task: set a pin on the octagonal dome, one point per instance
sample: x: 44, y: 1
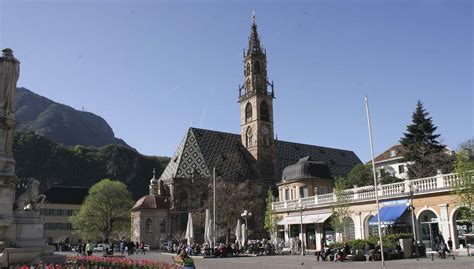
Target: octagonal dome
x: 306, y: 168
x: 151, y: 202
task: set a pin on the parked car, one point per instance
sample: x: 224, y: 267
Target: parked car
x: 100, y: 247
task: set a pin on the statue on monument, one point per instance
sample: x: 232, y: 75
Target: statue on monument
x: 31, y: 199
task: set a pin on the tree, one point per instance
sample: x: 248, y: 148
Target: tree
x: 52, y: 163
x: 468, y: 145
x: 387, y: 176
x: 340, y: 209
x: 421, y: 148
x: 231, y: 199
x: 464, y: 186
x: 105, y: 212
x: 360, y: 175
x: 270, y: 220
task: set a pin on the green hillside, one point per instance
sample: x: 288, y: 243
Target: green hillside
x: 52, y: 163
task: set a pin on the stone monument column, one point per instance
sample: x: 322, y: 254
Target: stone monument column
x: 9, y: 74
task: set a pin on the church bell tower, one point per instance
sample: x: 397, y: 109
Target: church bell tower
x: 256, y: 107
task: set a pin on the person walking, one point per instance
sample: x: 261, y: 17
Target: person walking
x: 4, y: 259
x: 122, y: 247
x: 89, y: 248
x: 450, y: 244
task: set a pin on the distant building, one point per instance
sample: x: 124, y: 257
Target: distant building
x: 150, y: 216
x: 392, y: 161
x: 61, y: 203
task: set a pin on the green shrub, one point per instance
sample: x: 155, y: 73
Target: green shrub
x: 336, y: 245
x: 357, y: 244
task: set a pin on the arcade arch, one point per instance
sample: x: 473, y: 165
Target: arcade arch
x: 429, y: 227
x: 461, y: 225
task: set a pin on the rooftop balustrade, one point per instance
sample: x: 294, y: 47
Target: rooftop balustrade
x: 438, y: 183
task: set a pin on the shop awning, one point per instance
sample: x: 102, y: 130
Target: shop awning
x: 388, y: 215
x: 307, y: 219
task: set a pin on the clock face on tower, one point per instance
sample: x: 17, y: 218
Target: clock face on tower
x: 249, y: 132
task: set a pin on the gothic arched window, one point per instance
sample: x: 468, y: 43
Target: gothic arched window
x: 264, y: 111
x: 162, y: 226
x: 256, y: 67
x: 148, y: 225
x: 248, y: 112
x: 247, y: 69
x: 248, y: 137
x: 183, y: 202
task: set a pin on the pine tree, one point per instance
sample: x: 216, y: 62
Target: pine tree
x: 421, y: 147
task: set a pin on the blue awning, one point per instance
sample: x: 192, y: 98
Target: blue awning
x: 388, y: 215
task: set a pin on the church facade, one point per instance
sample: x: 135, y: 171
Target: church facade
x: 254, y: 155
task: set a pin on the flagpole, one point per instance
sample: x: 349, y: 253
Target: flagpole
x: 214, y: 206
x: 375, y: 180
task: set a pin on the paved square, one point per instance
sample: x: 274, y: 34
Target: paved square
x: 309, y: 262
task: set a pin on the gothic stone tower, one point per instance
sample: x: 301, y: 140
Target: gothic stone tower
x: 256, y: 107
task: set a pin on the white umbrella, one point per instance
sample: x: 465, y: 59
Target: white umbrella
x: 189, y: 229
x: 207, y: 224
x: 244, y: 234
x: 210, y: 233
x: 238, y: 232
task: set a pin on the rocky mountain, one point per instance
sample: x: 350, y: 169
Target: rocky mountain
x: 61, y: 123
x: 54, y: 164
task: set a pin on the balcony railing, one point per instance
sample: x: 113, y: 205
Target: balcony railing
x: 422, y: 186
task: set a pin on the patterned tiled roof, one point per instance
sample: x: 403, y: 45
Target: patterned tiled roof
x: 203, y: 149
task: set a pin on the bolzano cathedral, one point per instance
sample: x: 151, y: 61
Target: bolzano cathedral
x: 254, y: 155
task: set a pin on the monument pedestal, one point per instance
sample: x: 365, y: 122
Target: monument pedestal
x: 21, y: 229
x: 7, y: 197
x: 26, y: 230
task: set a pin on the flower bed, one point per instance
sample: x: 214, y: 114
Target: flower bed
x: 96, y: 262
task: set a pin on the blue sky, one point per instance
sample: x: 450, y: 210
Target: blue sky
x: 152, y: 69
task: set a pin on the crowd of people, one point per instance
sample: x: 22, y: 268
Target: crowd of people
x: 86, y: 248
x: 257, y: 247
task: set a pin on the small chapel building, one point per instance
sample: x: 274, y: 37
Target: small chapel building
x: 151, y: 216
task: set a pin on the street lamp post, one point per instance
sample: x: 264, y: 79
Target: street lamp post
x: 213, y: 207
x: 411, y: 193
x: 246, y: 215
x: 301, y: 208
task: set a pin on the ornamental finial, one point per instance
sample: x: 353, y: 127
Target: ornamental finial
x: 253, y: 16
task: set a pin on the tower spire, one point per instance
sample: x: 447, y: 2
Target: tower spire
x: 254, y: 40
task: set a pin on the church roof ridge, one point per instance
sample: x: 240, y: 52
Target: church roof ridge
x: 277, y: 141
x: 323, y: 147
x: 210, y: 130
